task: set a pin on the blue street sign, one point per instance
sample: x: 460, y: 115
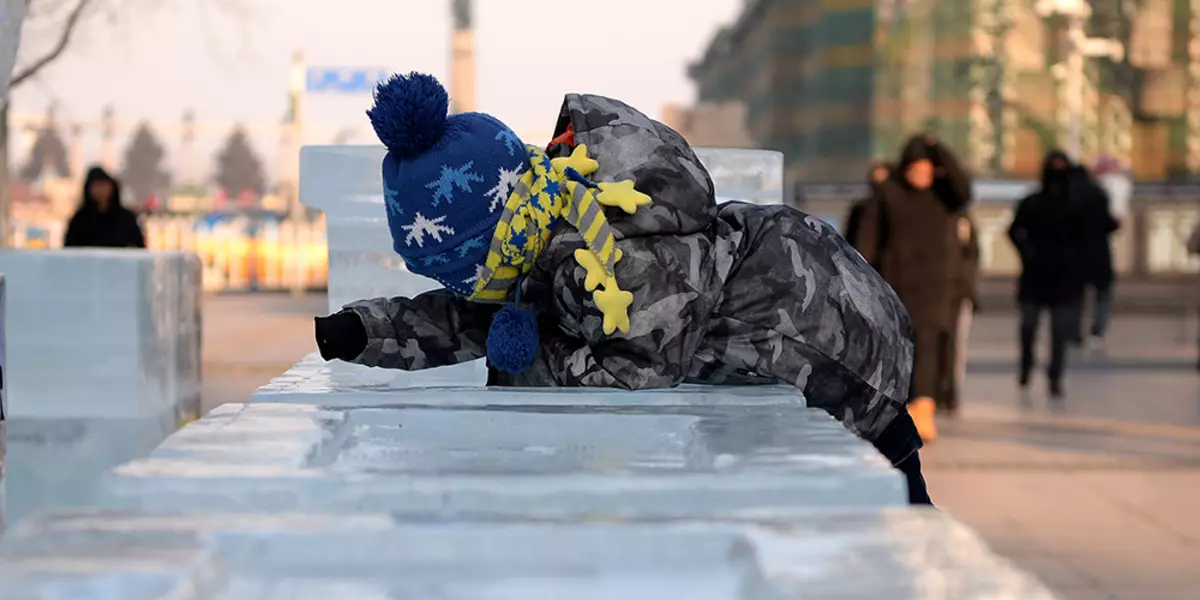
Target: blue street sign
x: 343, y: 80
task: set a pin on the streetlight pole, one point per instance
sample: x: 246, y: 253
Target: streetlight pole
x: 1078, y: 47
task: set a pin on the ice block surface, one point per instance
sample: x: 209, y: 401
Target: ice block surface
x: 56, y: 463
x: 312, y: 380
x: 898, y: 554
x: 126, y: 321
x: 621, y: 461
x: 346, y: 184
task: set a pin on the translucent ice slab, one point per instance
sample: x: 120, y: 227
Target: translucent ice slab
x: 315, y: 381
x: 345, y: 183
x: 900, y: 554
x: 338, y: 383
x: 56, y: 463
x: 127, y: 322
x: 754, y: 176
x: 619, y: 462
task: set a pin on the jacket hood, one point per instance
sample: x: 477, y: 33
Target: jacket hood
x: 1052, y: 177
x: 917, y: 148
x: 630, y: 145
x: 98, y: 174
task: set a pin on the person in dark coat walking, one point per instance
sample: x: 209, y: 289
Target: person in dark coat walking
x: 101, y: 221
x: 963, y: 304
x: 879, y: 173
x: 908, y: 231
x: 1098, y: 226
x: 1048, y: 232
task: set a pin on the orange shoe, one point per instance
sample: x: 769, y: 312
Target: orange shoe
x: 922, y: 411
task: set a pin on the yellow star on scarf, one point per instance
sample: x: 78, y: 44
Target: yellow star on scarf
x: 578, y: 160
x: 622, y: 194
x: 614, y: 303
x: 595, y: 269
x: 596, y: 274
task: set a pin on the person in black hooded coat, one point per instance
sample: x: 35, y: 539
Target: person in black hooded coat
x: 1048, y: 231
x: 101, y: 221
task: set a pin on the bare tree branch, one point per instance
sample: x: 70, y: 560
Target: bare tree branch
x: 64, y: 40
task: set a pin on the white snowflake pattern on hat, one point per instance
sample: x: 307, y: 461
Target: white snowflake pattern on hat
x: 508, y: 179
x: 423, y: 225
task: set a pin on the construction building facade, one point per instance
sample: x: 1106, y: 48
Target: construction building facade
x: 834, y: 84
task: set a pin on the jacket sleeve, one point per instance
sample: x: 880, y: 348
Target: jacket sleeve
x: 954, y: 185
x: 872, y: 235
x: 72, y: 238
x: 854, y: 221
x: 434, y: 329
x: 136, y: 238
x: 1110, y: 223
x: 1018, y: 230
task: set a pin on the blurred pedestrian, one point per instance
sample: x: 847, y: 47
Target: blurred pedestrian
x: 1048, y: 232
x: 101, y: 220
x: 963, y: 305
x: 908, y: 231
x: 1098, y: 275
x: 876, y: 175
x: 1193, y: 248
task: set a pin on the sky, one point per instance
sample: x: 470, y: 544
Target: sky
x: 233, y: 67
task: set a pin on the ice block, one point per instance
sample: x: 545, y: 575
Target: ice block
x: 754, y: 176
x: 900, y: 554
x: 312, y: 380
x: 57, y: 463
x: 345, y: 183
x: 612, y: 460
x: 101, y: 333
x: 105, y: 348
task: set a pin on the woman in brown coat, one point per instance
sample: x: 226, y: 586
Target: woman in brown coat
x: 909, y: 231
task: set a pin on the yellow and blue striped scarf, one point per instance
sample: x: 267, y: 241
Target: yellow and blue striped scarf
x: 550, y: 190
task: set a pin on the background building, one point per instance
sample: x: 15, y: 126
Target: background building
x: 713, y: 125
x: 835, y: 83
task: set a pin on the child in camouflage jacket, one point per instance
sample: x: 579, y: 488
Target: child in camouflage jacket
x: 605, y: 261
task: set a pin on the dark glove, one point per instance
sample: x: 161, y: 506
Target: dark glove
x: 341, y: 336
x: 900, y: 443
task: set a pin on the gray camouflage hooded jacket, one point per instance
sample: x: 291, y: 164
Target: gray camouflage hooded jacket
x: 729, y: 294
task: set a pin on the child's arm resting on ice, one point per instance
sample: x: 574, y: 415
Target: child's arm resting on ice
x: 434, y: 329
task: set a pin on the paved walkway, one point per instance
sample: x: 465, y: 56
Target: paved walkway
x: 248, y: 339
x: 1101, y: 498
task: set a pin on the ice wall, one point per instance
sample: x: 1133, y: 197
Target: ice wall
x: 575, y: 455
x: 898, y: 554
x: 103, y: 360
x: 345, y: 183
x: 102, y: 333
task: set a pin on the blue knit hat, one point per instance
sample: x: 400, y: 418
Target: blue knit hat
x: 445, y: 178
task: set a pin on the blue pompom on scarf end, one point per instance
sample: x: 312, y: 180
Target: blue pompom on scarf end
x: 512, y: 341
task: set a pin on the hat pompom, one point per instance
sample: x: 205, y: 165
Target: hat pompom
x: 409, y: 114
x: 512, y: 341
